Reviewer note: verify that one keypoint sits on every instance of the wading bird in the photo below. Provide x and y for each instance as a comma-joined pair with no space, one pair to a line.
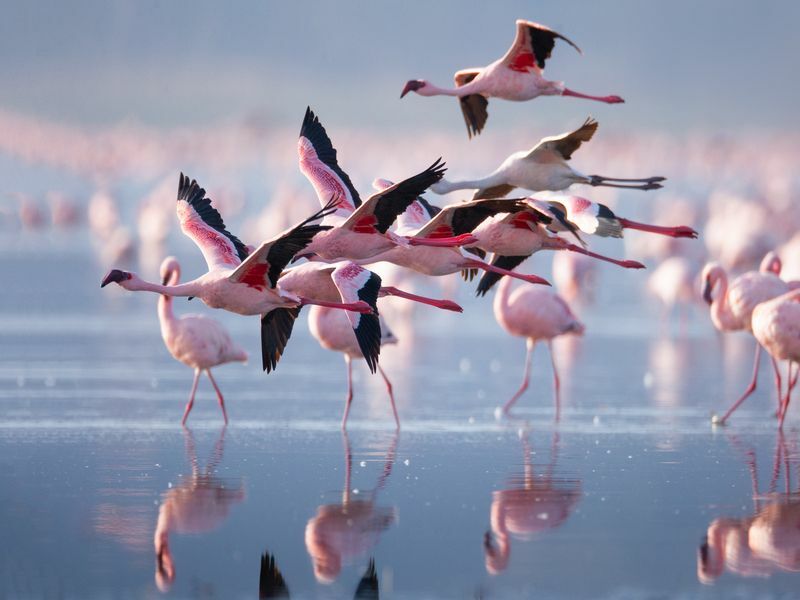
197,341
544,167
516,76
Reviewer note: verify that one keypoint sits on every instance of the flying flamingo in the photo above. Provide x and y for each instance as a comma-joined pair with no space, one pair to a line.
357,230
237,281
536,314
544,167
776,327
516,76
732,308
197,341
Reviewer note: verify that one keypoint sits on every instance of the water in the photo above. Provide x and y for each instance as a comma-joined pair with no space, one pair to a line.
615,501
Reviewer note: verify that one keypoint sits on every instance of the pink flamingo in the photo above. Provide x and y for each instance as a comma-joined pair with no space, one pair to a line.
776,327
197,341
732,308
516,76
536,314
543,167
236,281
357,230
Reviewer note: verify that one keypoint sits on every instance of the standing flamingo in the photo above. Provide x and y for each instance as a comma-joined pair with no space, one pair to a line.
544,167
357,230
732,308
516,76
536,314
197,341
776,327
237,281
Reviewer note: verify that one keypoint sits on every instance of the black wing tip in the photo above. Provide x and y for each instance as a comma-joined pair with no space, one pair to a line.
189,190
276,329
368,336
432,209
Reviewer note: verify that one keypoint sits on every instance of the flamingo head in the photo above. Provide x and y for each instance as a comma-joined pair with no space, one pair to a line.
712,273
116,276
496,553
415,85
771,263
170,271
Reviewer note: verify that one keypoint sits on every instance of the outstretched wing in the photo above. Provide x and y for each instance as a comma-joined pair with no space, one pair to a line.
318,163
558,213
276,329
263,267
461,218
566,143
357,283
532,46
590,217
497,191
380,210
203,224
489,279
473,106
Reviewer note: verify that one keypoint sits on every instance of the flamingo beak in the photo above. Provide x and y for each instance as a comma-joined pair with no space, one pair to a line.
707,287
412,86
115,276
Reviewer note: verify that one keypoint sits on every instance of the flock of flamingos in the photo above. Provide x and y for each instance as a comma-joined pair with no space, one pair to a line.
397,225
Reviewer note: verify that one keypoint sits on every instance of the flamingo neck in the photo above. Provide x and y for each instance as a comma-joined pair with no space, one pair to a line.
166,315
445,186
720,310
502,296
190,288
435,90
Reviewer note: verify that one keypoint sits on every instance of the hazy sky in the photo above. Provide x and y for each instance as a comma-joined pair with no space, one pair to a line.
719,65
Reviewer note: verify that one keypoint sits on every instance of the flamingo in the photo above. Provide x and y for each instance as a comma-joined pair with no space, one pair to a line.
340,532
199,503
776,327
197,341
357,230
516,76
732,307
272,585
237,281
544,167
536,314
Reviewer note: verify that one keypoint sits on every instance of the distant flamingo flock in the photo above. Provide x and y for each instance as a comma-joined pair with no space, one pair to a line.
336,260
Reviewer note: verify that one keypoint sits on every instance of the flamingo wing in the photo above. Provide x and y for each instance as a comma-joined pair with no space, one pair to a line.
497,191
381,209
532,47
356,283
276,329
473,106
565,144
560,220
489,279
318,163
270,581
461,218
264,266
368,586
202,222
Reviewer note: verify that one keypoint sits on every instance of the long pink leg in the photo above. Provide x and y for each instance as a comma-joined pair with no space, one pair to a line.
556,380
219,395
628,264
525,378
789,386
750,388
681,231
445,242
479,264
444,304
391,395
349,398
778,385
360,306
606,99
190,403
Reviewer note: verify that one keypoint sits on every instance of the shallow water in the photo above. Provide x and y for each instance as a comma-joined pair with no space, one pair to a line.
613,501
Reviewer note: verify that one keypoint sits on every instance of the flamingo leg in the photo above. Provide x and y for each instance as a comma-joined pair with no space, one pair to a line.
606,99
627,264
446,242
479,264
531,344
681,231
778,385
750,388
556,380
190,403
389,290
219,395
348,361
789,387
391,395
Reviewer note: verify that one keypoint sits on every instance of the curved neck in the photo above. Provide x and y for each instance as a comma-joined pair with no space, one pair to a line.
502,295
720,311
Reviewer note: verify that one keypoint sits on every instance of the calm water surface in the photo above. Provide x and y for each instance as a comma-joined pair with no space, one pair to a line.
631,495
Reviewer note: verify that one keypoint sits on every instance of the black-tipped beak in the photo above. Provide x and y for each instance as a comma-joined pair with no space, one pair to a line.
115,276
707,287
412,86
165,279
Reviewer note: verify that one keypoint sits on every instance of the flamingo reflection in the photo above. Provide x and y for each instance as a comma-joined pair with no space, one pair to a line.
272,585
529,507
761,544
199,503
340,533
